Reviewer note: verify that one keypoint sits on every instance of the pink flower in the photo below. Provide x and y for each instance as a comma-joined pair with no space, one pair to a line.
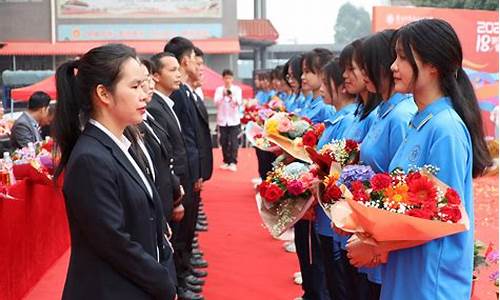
295,187
285,125
307,179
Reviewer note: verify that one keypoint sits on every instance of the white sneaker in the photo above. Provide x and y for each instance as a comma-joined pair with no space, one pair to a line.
224,166
297,274
232,167
298,280
290,247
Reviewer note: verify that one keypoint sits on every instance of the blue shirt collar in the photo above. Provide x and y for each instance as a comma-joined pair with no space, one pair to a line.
424,116
348,109
387,106
316,102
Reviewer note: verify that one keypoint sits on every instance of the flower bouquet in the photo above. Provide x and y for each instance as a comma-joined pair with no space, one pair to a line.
276,104
255,135
285,196
293,133
35,162
250,114
338,153
397,210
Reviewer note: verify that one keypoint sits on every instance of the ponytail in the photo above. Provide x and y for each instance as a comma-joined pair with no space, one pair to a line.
66,120
459,88
437,43
76,82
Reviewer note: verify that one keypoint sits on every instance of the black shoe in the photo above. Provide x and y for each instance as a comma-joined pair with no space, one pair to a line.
191,279
197,252
199,273
193,288
202,217
198,262
186,294
196,256
195,245
202,223
201,227
195,239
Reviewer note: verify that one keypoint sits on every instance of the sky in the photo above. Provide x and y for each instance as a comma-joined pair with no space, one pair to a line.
318,18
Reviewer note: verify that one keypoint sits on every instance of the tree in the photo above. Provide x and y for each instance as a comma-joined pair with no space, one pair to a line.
352,23
469,4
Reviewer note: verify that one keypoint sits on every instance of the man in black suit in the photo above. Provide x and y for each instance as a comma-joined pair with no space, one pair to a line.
167,77
26,129
185,109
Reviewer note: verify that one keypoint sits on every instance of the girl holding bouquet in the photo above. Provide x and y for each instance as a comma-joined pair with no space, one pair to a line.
394,113
351,60
318,111
333,91
447,133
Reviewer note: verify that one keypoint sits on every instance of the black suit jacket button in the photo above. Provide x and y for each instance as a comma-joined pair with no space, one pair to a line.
151,219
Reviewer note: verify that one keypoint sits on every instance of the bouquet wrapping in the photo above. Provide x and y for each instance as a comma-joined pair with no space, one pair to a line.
286,196
396,211
293,133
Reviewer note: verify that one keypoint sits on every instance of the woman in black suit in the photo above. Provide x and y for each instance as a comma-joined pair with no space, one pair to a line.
118,248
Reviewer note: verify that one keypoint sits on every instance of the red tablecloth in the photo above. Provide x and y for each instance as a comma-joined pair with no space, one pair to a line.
33,234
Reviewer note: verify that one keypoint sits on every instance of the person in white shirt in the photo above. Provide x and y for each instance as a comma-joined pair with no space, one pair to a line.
228,100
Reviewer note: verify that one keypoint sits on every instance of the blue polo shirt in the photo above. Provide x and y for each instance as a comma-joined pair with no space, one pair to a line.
388,131
383,140
304,103
335,129
442,268
359,128
290,102
264,96
319,111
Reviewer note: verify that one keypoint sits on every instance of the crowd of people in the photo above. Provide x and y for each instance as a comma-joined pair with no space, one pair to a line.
404,97
135,152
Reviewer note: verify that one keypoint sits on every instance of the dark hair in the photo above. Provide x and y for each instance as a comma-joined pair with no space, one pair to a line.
378,56
227,72
179,47
156,61
148,64
277,73
437,44
38,99
333,71
353,52
295,64
264,75
76,80
198,52
314,60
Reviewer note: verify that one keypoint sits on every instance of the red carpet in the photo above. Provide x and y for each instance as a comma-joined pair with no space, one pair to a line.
244,261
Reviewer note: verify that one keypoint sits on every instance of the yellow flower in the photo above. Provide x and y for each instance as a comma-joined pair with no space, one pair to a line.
332,178
272,126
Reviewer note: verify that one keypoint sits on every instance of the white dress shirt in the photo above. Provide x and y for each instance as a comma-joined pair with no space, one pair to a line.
228,113
124,144
170,104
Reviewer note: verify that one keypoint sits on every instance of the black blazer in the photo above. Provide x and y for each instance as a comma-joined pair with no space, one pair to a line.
163,116
186,112
161,152
116,227
204,137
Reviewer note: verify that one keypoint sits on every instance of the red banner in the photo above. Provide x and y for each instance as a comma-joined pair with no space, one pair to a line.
477,30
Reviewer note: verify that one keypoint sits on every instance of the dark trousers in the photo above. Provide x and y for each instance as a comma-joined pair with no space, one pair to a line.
310,261
184,231
229,143
368,290
326,244
265,161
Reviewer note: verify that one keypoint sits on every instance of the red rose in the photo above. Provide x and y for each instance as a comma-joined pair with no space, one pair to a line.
257,136
309,139
319,128
307,120
381,181
452,196
412,176
263,188
332,194
421,191
360,196
421,213
357,186
450,213
351,145
273,193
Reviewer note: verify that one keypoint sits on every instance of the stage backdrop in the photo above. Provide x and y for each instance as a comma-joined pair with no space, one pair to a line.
478,33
